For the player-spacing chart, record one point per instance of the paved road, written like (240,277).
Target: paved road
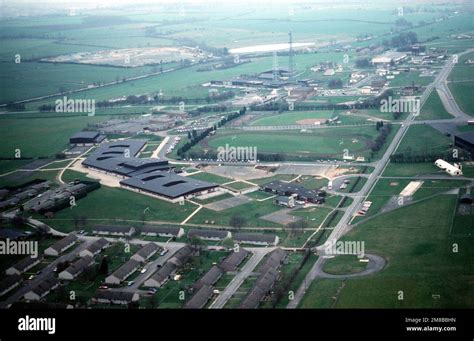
(229,291)
(343,225)
(375,264)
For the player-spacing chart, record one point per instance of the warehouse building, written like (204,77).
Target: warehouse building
(465,141)
(86,138)
(389,57)
(168,186)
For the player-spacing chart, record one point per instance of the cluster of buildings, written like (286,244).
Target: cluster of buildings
(152,177)
(12,198)
(58,198)
(299,193)
(269,274)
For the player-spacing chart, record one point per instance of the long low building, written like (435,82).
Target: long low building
(76,268)
(9,283)
(121,274)
(114,230)
(86,138)
(23,265)
(257,238)
(147,251)
(159,278)
(315,196)
(162,231)
(115,297)
(232,261)
(200,298)
(95,248)
(59,247)
(210,278)
(168,185)
(42,289)
(209,234)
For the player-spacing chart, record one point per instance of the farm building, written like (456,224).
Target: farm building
(86,138)
(162,231)
(61,246)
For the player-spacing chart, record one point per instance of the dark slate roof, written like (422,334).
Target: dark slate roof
(257,237)
(207,233)
(167,184)
(25,263)
(284,188)
(97,245)
(468,137)
(200,298)
(110,157)
(60,245)
(210,278)
(181,255)
(85,135)
(164,272)
(9,281)
(147,250)
(125,269)
(11,234)
(113,228)
(114,295)
(233,260)
(173,230)
(80,265)
(45,285)
(273,260)
(262,286)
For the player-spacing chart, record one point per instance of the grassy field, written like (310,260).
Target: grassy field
(411,169)
(462,92)
(313,215)
(295,145)
(421,262)
(344,264)
(433,109)
(425,139)
(109,205)
(210,177)
(292,117)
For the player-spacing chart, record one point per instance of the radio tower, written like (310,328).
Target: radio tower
(290,58)
(275,66)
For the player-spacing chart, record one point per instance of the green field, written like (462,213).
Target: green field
(433,109)
(411,169)
(343,265)
(292,117)
(422,138)
(462,92)
(421,262)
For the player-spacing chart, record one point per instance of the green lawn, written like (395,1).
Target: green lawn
(108,205)
(421,262)
(422,138)
(210,177)
(292,117)
(433,109)
(411,169)
(462,92)
(344,264)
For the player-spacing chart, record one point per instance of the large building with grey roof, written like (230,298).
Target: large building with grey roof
(121,274)
(61,245)
(152,177)
(85,138)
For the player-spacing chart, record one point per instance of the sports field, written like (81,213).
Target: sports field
(294,117)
